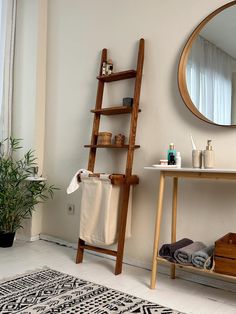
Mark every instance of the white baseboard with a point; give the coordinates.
(27, 238)
(204, 280)
(57, 241)
(35, 238)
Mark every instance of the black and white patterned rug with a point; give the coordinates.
(49, 291)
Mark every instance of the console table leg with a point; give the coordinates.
(157, 230)
(174, 219)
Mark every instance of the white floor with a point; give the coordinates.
(179, 294)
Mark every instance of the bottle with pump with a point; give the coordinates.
(178, 160)
(171, 155)
(209, 156)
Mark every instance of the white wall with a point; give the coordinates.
(25, 72)
(77, 31)
(29, 88)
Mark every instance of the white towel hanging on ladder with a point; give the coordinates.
(99, 211)
(74, 184)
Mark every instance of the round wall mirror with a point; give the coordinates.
(207, 68)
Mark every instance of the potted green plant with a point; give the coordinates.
(20, 191)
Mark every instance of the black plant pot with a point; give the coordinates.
(6, 239)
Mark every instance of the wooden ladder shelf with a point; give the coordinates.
(126, 179)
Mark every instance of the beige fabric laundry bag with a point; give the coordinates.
(99, 211)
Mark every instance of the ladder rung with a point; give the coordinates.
(98, 249)
(119, 179)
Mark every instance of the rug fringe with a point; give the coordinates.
(27, 272)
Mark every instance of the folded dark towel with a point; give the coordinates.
(167, 250)
(184, 255)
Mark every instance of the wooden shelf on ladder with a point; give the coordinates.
(114, 110)
(127, 179)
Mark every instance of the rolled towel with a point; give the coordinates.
(167, 250)
(202, 258)
(184, 255)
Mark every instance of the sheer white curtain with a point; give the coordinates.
(7, 34)
(209, 80)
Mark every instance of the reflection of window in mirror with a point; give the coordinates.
(210, 76)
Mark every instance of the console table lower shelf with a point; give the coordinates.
(186, 173)
(193, 269)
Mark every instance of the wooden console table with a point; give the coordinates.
(176, 173)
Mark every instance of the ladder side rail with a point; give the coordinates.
(96, 120)
(122, 228)
(93, 150)
(129, 162)
(134, 115)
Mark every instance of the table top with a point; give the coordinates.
(36, 179)
(213, 170)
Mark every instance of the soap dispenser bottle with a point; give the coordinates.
(209, 158)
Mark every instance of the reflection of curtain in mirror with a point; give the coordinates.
(209, 80)
(233, 113)
(7, 34)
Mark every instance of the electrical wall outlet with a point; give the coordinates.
(70, 209)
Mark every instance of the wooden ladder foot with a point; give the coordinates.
(118, 269)
(80, 252)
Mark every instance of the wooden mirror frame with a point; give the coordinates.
(183, 62)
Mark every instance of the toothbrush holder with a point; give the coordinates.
(196, 158)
